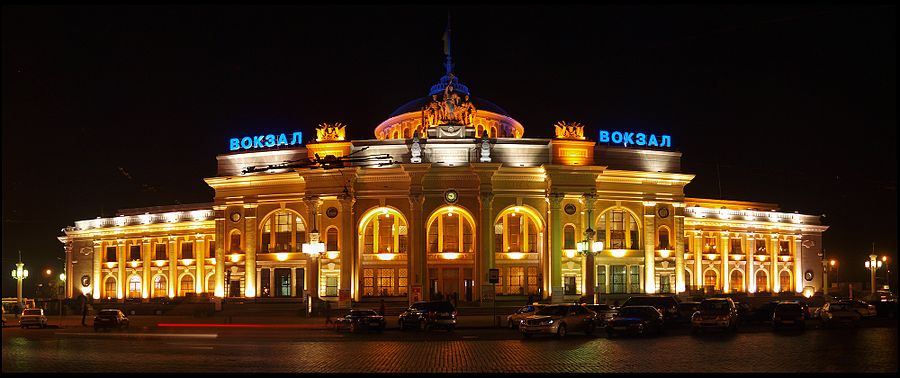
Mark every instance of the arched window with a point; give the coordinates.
(569, 237)
(450, 229)
(762, 281)
(331, 239)
(737, 280)
(134, 287)
(282, 231)
(234, 245)
(110, 287)
(618, 229)
(187, 284)
(709, 279)
(384, 231)
(211, 284)
(159, 286)
(663, 238)
(784, 280)
(519, 231)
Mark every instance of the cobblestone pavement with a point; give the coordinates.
(211, 349)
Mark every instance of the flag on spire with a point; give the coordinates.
(446, 37)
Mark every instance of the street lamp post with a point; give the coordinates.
(872, 264)
(887, 272)
(19, 274)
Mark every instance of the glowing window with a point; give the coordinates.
(331, 239)
(737, 281)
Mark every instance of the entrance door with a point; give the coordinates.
(450, 284)
(282, 282)
(234, 289)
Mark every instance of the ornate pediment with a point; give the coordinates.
(328, 132)
(569, 130)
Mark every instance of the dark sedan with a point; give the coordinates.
(788, 314)
(110, 319)
(638, 320)
(358, 320)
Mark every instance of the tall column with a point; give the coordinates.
(678, 234)
(750, 271)
(294, 282)
(726, 249)
(556, 288)
(313, 280)
(200, 255)
(147, 280)
(649, 247)
(589, 269)
(121, 267)
(348, 247)
(98, 263)
(487, 240)
(698, 261)
(220, 250)
(249, 234)
(773, 268)
(797, 261)
(173, 266)
(415, 254)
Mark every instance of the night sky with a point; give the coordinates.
(127, 106)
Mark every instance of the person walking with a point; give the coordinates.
(381, 308)
(328, 321)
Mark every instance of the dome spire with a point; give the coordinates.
(449, 64)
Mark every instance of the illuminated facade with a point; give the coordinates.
(449, 188)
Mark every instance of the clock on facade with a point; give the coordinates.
(808, 275)
(85, 280)
(663, 212)
(451, 196)
(570, 209)
(331, 212)
(235, 216)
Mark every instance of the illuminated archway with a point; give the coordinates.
(134, 286)
(737, 280)
(619, 227)
(518, 245)
(450, 229)
(382, 250)
(110, 289)
(784, 280)
(762, 281)
(186, 284)
(160, 286)
(282, 230)
(710, 279)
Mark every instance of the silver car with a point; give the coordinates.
(523, 312)
(33, 317)
(559, 320)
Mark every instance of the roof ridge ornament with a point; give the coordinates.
(330, 132)
(569, 130)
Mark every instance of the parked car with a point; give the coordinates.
(559, 320)
(834, 313)
(512, 320)
(635, 319)
(885, 308)
(743, 311)
(864, 309)
(788, 314)
(359, 319)
(429, 315)
(762, 313)
(604, 312)
(666, 304)
(33, 317)
(715, 313)
(687, 310)
(110, 318)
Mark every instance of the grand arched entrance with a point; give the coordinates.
(383, 253)
(451, 254)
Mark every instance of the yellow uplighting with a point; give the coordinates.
(134, 263)
(187, 261)
(212, 260)
(450, 255)
(515, 255)
(281, 256)
(570, 253)
(761, 257)
(385, 256)
(332, 255)
(160, 262)
(664, 253)
(785, 258)
(235, 257)
(711, 256)
(617, 252)
(86, 290)
(110, 264)
(808, 292)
